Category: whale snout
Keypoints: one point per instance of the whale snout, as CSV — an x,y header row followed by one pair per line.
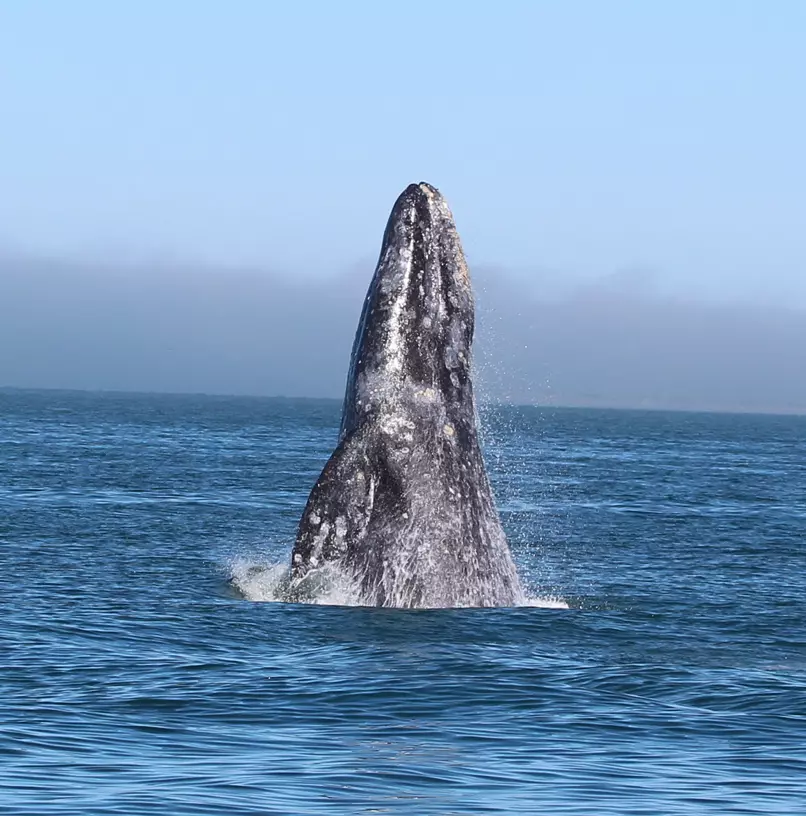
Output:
x,y
422,188
417,323
421,244
423,204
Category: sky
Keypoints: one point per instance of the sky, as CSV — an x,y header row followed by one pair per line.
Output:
x,y
657,145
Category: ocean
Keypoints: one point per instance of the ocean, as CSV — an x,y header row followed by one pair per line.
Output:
x,y
147,668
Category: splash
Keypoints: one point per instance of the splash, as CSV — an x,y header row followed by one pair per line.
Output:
x,y
546,602
263,582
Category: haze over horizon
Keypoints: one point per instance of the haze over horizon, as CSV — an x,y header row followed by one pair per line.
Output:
x,y
192,196
610,343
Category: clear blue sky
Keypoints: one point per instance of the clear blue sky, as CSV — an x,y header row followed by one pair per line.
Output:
x,y
579,137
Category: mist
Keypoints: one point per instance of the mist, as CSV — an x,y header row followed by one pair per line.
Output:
x,y
614,342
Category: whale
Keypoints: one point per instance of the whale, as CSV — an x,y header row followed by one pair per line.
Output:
x,y
403,510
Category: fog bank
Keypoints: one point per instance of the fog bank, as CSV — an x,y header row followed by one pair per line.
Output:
x,y
258,332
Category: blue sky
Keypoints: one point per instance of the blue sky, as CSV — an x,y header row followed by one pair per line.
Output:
x,y
581,138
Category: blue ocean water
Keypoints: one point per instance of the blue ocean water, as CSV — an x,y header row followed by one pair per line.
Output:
x,y
134,680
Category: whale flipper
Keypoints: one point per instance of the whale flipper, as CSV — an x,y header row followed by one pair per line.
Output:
x,y
338,509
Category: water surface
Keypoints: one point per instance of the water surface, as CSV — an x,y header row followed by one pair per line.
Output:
x,y
134,681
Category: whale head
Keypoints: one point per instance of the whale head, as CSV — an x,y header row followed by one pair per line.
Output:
x,y
416,330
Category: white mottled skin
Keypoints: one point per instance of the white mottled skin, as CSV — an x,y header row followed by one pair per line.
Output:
x,y
403,508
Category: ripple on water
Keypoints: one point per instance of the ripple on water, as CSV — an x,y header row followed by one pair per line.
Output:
x,y
135,680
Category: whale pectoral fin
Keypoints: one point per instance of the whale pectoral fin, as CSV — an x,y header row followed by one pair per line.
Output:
x,y
338,509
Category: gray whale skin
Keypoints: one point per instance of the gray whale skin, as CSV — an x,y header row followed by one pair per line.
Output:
x,y
403,509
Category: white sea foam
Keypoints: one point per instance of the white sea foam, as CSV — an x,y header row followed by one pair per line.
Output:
x,y
263,582
257,582
270,583
546,602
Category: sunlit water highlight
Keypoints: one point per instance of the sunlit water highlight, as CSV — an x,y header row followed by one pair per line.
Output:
x,y
135,679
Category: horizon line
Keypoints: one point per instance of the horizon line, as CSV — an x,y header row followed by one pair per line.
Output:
x,y
570,405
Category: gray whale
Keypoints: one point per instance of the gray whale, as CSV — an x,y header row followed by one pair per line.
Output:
x,y
404,508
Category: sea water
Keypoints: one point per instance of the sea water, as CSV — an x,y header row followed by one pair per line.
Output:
x,y
146,667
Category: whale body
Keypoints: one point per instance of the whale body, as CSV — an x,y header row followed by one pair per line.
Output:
x,y
403,509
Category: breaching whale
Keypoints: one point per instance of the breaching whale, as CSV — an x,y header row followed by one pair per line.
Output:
x,y
403,509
